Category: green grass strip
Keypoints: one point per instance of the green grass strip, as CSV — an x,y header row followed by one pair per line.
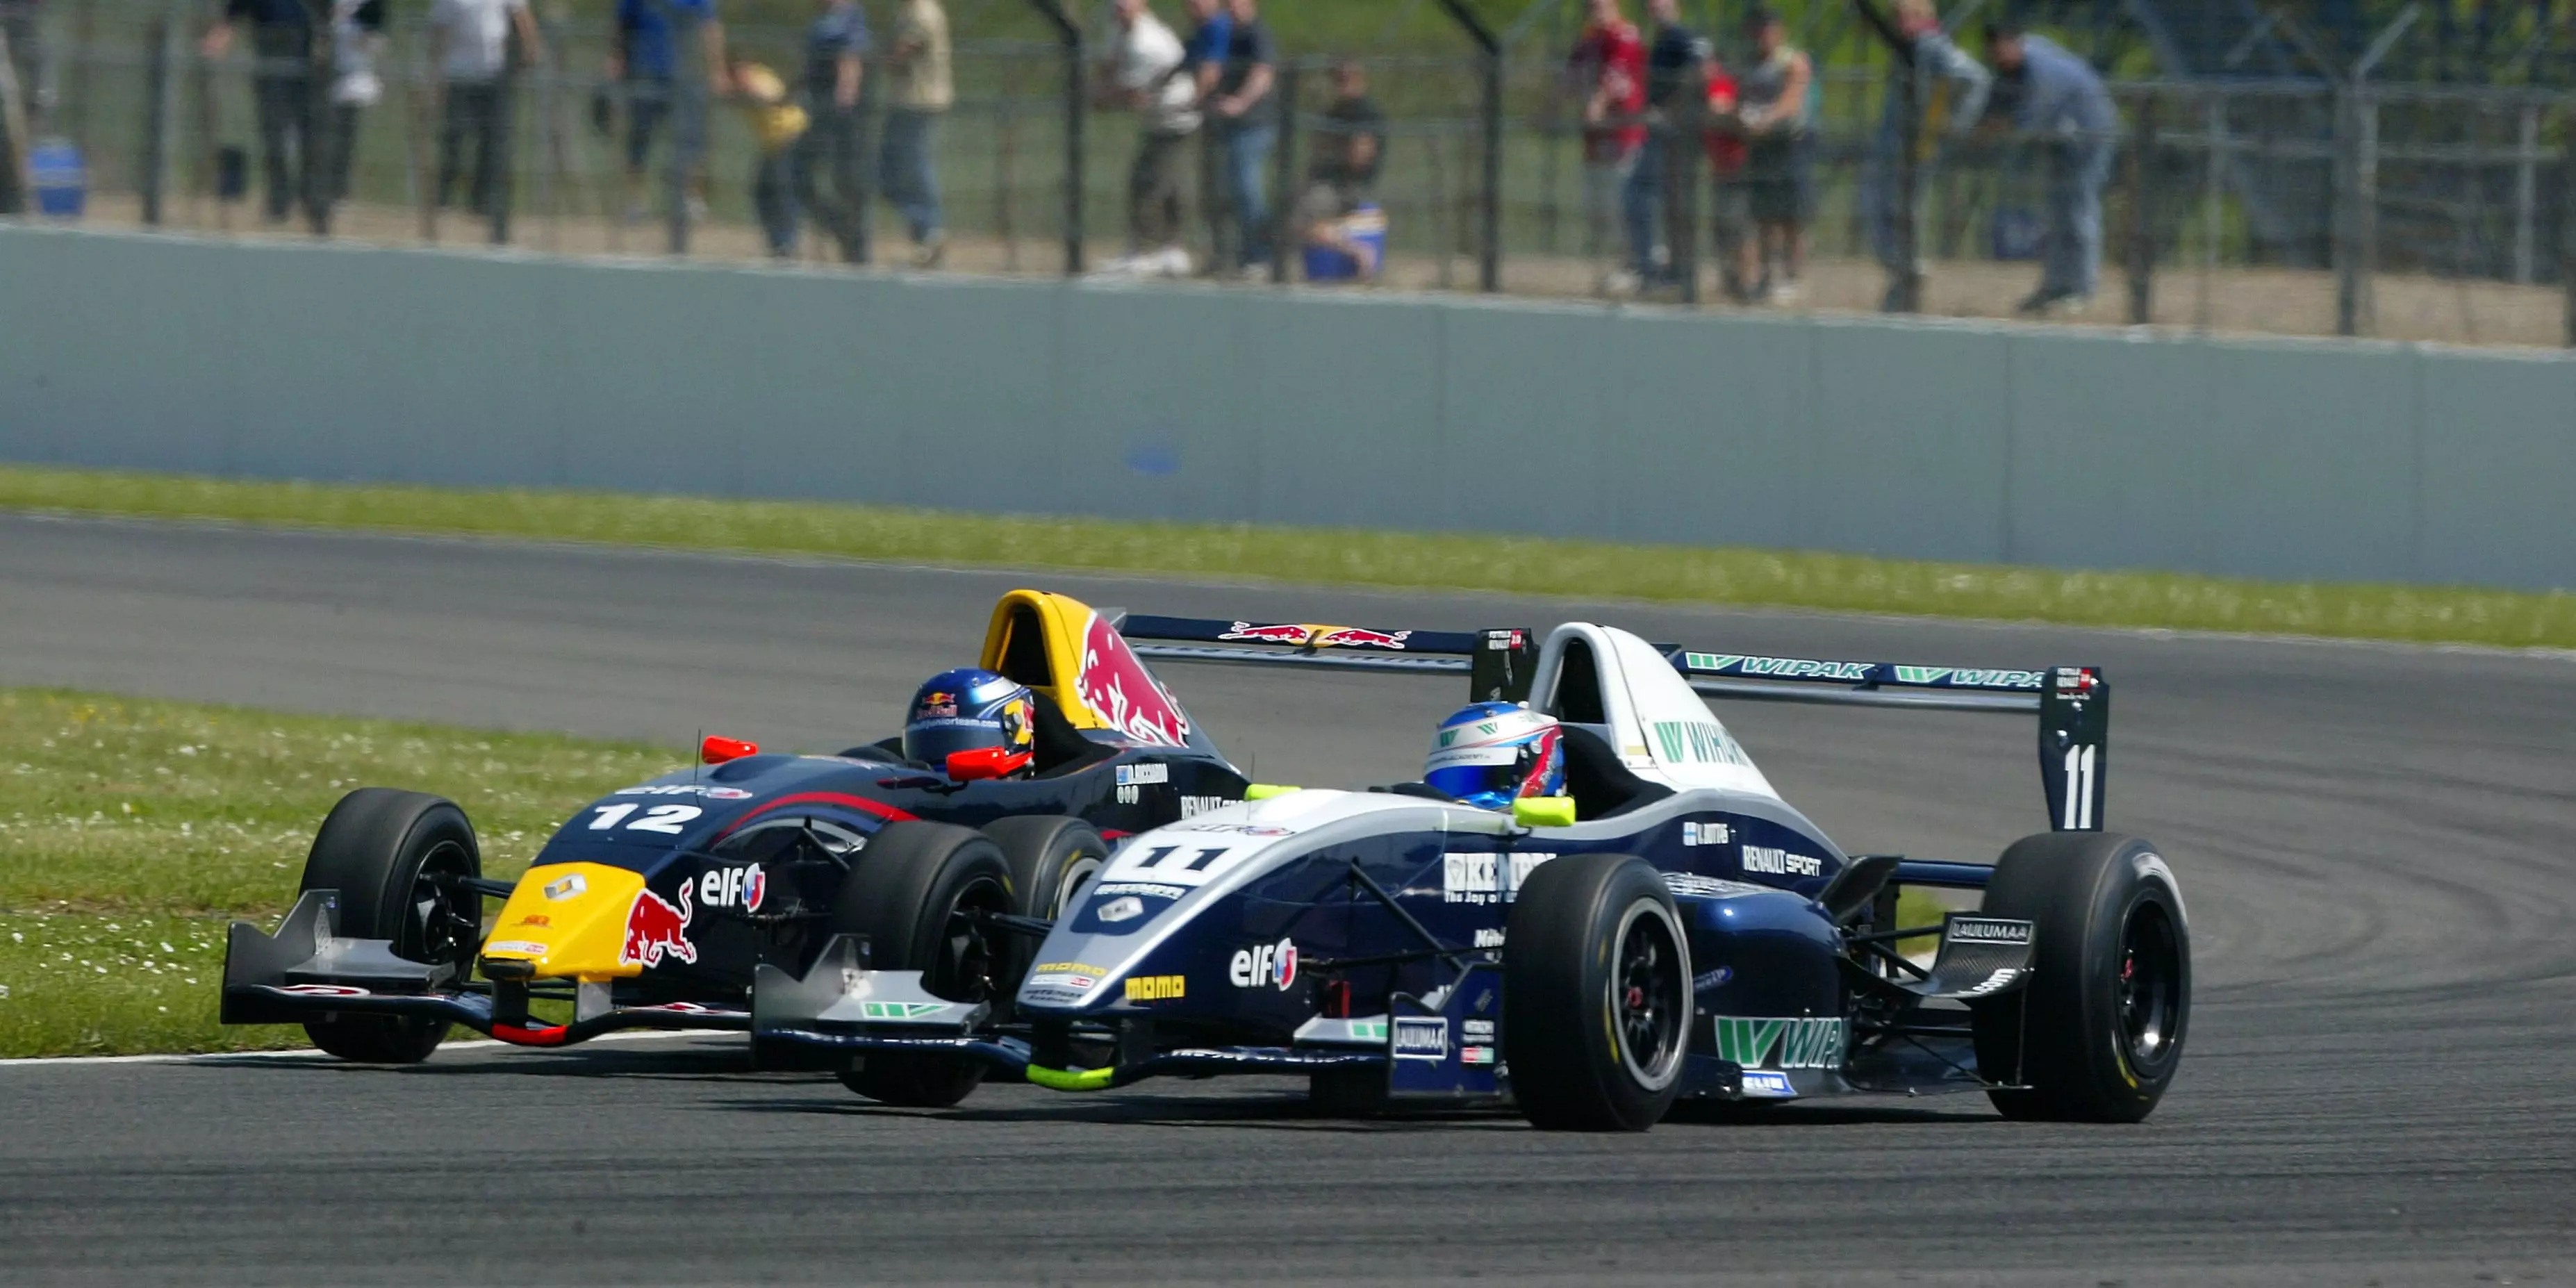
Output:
x,y
1445,561
133,830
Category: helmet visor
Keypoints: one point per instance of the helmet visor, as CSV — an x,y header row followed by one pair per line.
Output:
x,y
932,741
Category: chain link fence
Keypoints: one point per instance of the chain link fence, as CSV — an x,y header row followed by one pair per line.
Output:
x,y
2299,205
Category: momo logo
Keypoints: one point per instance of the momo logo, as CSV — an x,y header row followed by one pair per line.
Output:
x,y
745,887
1803,1043
1987,930
1485,878
1781,863
655,928
1274,965
1698,742
1126,696
1157,988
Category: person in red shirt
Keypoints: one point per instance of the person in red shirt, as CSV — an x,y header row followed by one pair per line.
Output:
x,y
1607,72
1737,251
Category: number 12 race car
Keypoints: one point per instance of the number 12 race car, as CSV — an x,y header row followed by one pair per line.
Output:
x,y
655,906
1669,927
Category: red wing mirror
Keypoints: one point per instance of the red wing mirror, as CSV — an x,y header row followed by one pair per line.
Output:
x,y
976,763
716,751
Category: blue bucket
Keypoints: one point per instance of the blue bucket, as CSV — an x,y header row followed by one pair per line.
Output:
x,y
60,178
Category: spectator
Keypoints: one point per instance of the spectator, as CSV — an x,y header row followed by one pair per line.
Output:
x,y
2055,96
1932,89
923,92
1342,172
1607,70
1244,113
1774,113
1733,222
776,125
836,48
644,57
1676,81
281,37
471,44
1143,73
357,40
22,118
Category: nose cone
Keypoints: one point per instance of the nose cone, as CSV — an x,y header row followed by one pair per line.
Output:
x,y
584,921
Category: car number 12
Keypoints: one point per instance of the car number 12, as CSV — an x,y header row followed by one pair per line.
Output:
x,y
660,818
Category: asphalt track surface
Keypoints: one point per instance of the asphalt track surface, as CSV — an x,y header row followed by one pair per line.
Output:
x,y
2373,842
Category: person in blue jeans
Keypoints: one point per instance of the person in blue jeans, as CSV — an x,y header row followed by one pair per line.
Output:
x,y
923,90
1677,66
2056,99
1245,112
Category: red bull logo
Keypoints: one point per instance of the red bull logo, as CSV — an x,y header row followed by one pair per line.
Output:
x,y
654,927
1310,635
1118,689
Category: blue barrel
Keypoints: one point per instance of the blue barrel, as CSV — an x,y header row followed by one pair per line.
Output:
x,y
1365,225
60,179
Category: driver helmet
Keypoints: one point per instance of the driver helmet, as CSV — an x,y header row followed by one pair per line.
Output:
x,y
970,709
1496,752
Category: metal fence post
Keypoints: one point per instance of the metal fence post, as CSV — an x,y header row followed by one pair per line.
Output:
x,y
1489,203
2526,191
2567,235
155,170
2347,211
1077,104
1283,200
2142,225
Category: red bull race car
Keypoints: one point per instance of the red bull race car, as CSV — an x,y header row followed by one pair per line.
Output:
x,y
660,904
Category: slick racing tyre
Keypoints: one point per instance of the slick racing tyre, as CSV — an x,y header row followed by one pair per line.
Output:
x,y
2097,1033
911,895
1596,995
1051,858
400,861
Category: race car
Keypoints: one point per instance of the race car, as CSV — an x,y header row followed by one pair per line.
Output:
x,y
656,905
1665,927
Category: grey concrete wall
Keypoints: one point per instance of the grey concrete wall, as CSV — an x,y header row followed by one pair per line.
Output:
x,y
2297,460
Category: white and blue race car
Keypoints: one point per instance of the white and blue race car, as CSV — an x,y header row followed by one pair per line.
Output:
x,y
1667,928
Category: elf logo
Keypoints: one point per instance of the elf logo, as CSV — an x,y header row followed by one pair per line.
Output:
x,y
1274,965
745,887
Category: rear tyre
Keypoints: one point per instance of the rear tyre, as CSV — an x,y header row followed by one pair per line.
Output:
x,y
399,861
2110,993
1596,995
911,895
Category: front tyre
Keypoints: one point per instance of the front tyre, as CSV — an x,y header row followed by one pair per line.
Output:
x,y
914,894
1596,995
400,861
2098,1032
1052,858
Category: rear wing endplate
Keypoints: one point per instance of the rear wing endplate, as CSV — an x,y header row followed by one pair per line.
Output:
x,y
2073,703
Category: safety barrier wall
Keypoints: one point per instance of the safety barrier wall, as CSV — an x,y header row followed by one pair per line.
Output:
x,y
2300,460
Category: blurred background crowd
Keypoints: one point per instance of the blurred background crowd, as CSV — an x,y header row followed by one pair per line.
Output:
x,y
2322,166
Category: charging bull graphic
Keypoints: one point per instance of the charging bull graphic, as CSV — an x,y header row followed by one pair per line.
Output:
x,y
1114,684
654,927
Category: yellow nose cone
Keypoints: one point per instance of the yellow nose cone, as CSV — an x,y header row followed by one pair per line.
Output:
x,y
585,921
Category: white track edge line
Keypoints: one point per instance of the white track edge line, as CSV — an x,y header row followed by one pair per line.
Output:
x,y
193,1057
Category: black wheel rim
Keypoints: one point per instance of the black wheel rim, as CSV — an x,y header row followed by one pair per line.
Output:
x,y
2147,984
1649,1003
443,920
970,957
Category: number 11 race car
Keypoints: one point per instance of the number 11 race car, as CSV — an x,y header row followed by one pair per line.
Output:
x,y
655,906
1669,927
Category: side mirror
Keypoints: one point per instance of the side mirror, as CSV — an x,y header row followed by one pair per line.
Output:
x,y
1543,811
977,763
1267,791
716,751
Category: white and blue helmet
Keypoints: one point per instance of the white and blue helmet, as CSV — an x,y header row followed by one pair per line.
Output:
x,y
1496,752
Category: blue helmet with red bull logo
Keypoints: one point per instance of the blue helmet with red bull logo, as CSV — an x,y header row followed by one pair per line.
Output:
x,y
972,710
1496,752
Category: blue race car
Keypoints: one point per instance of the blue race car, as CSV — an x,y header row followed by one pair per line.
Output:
x,y
1635,916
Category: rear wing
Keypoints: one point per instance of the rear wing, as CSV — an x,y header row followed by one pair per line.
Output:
x,y
2073,703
